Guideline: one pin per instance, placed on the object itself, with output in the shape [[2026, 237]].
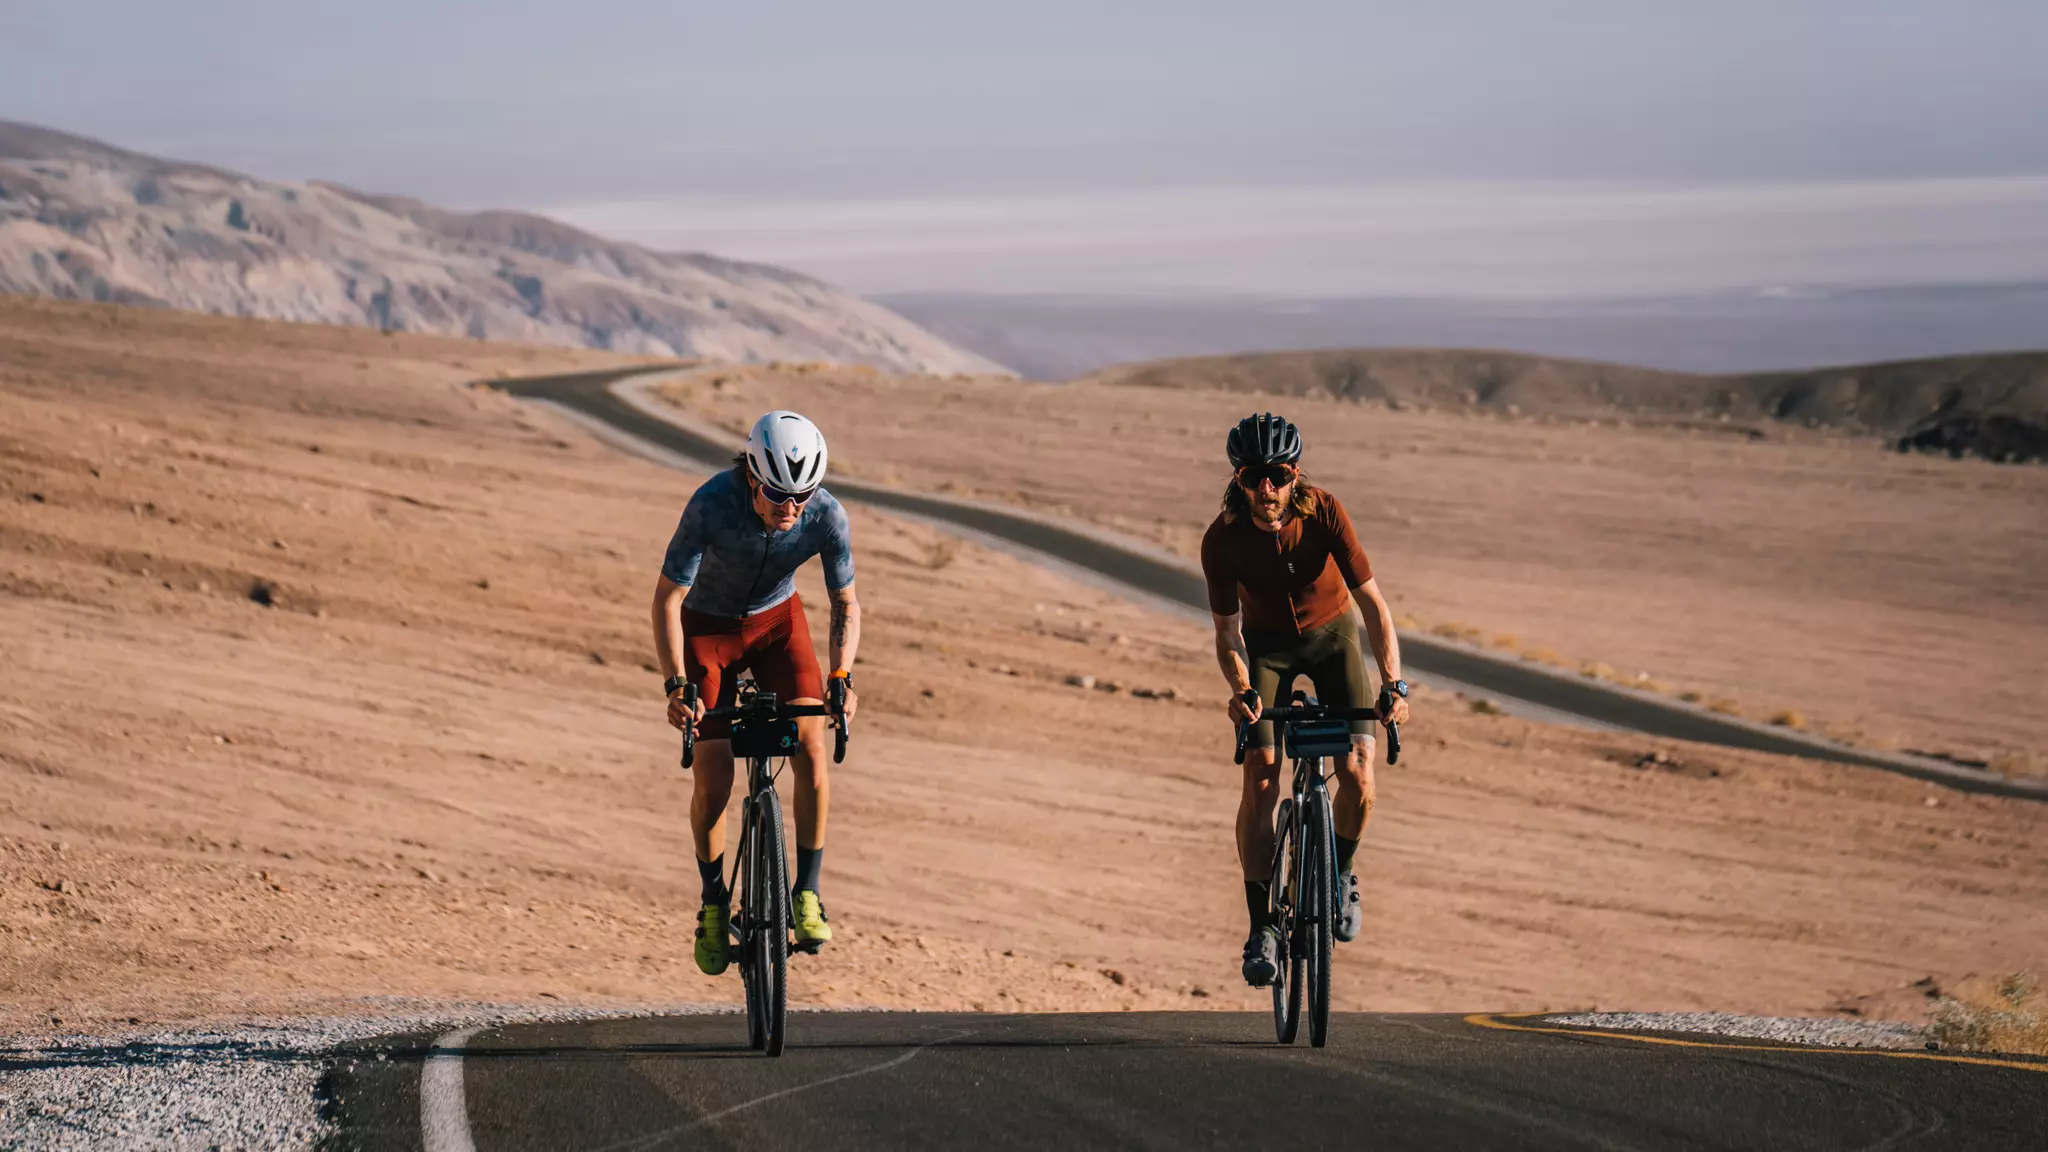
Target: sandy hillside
[[1898, 601], [433, 765]]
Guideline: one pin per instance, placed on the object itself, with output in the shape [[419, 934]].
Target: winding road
[[605, 401]]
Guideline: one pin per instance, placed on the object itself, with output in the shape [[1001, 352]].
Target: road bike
[[764, 735], [1305, 894]]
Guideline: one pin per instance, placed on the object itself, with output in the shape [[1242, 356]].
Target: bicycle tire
[[745, 912], [1318, 860], [1287, 971], [773, 955]]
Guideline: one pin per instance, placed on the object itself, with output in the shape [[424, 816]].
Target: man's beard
[[1268, 512]]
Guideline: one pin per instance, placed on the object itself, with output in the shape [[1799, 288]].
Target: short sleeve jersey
[[735, 567], [1286, 582]]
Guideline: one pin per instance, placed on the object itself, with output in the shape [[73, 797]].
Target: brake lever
[[1393, 743], [1244, 728], [842, 727], [690, 728]]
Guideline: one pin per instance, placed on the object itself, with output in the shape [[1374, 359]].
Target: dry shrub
[[2018, 762], [941, 553], [1506, 640], [1542, 656], [2005, 1016], [1691, 697], [1789, 718], [1724, 707], [1594, 670], [1485, 707]]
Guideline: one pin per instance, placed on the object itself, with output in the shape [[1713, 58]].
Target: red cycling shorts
[[774, 644]]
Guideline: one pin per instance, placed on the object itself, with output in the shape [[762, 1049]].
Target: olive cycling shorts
[[1329, 655]]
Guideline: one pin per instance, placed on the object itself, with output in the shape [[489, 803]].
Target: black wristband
[[669, 686]]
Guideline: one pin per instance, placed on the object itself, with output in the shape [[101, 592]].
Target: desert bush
[[941, 553], [1789, 718], [1724, 707], [2006, 1016]]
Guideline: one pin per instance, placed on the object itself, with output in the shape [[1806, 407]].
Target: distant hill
[[1993, 405], [84, 220]]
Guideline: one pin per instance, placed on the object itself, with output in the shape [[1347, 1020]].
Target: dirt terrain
[[1897, 601], [322, 685]]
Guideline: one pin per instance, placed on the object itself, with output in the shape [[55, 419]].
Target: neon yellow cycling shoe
[[714, 946], [811, 926]]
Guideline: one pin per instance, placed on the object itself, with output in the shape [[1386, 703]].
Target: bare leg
[[1255, 808], [710, 789], [813, 779], [1353, 802]]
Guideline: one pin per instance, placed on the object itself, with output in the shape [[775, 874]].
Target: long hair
[[1236, 505]]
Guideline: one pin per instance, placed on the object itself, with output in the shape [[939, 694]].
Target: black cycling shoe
[[1262, 957], [1351, 909]]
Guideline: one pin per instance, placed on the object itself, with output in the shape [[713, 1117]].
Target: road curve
[[1167, 1080], [593, 395]]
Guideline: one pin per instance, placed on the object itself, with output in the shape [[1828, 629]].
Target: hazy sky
[[1540, 147]]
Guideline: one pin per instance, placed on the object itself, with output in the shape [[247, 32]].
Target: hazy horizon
[[1465, 149]]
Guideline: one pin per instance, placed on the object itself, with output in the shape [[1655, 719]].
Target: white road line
[[639, 1143], [444, 1112]]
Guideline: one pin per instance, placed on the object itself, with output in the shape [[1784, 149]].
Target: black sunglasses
[[778, 496], [1278, 475]]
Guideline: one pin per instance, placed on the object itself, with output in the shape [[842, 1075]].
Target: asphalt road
[[1159, 1080], [1561, 696]]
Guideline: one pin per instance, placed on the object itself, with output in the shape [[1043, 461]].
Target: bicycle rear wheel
[[1318, 859], [772, 930], [1287, 975]]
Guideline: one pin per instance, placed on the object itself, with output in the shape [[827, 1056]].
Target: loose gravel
[[252, 1085], [1827, 1033]]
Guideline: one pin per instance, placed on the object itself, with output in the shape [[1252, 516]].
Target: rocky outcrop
[[85, 220]]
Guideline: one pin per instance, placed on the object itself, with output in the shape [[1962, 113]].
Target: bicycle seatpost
[[690, 729]]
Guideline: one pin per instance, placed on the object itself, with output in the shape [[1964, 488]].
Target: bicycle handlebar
[[1286, 712], [750, 711]]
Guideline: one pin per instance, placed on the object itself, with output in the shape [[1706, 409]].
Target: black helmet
[[1263, 439]]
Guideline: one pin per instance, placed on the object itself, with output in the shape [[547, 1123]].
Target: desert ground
[[324, 687], [1892, 601]]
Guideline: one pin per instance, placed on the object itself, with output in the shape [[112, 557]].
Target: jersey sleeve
[[1351, 560], [1218, 572], [686, 548], [836, 556]]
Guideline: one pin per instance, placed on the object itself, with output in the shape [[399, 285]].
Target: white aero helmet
[[786, 451]]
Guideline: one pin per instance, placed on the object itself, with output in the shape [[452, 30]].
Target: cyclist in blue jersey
[[726, 603]]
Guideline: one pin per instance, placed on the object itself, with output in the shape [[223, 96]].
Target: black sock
[[712, 873], [1347, 850], [808, 861], [1258, 900]]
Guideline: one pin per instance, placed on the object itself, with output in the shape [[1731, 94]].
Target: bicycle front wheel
[[1319, 855], [1287, 975], [771, 955]]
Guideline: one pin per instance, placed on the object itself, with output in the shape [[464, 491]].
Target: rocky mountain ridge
[[80, 219]]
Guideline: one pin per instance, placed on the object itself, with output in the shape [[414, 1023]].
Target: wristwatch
[[1397, 687], [669, 686]]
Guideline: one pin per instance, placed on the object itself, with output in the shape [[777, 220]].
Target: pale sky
[[1440, 147]]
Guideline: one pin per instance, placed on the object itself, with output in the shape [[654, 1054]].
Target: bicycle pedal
[[809, 949]]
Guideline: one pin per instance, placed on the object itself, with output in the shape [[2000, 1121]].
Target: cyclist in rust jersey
[[1283, 567]]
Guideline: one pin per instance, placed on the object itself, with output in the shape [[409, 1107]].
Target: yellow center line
[[1504, 1021]]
